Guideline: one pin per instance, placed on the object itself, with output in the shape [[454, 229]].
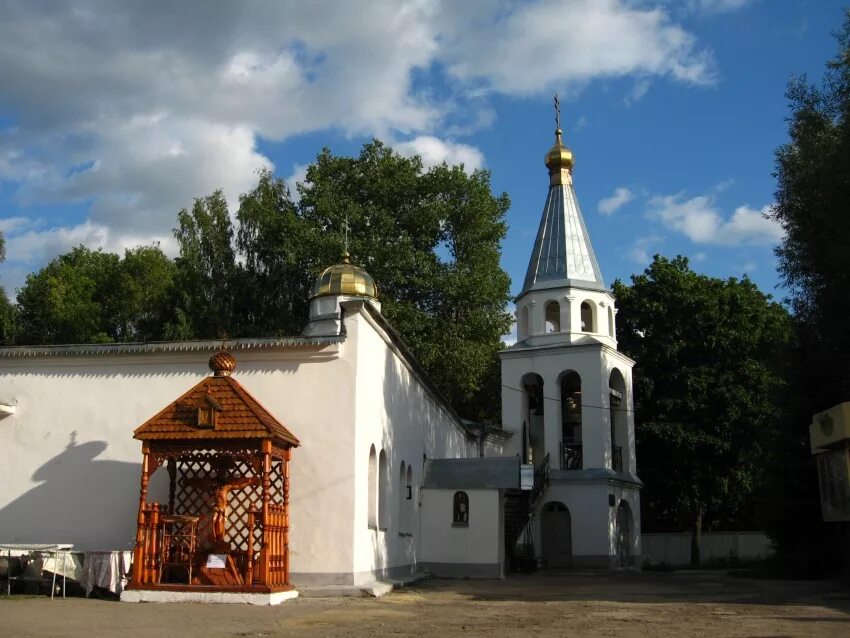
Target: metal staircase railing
[[519, 513]]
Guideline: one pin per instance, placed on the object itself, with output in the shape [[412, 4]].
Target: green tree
[[87, 296], [709, 355], [813, 175], [275, 273], [8, 311], [207, 278], [432, 241], [813, 191]]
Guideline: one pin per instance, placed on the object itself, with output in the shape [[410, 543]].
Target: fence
[[675, 548]]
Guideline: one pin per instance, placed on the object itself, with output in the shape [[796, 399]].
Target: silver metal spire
[[563, 255]]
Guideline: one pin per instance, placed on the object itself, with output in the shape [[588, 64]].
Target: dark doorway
[[556, 531]]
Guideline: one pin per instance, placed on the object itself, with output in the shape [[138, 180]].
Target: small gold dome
[[559, 156], [222, 363], [345, 279]]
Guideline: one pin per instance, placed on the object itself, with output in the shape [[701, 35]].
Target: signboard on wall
[[526, 477], [834, 475]]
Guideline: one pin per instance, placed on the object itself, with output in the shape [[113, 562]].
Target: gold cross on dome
[[557, 112]]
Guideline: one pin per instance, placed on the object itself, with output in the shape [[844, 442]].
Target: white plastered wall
[[396, 413], [592, 520], [480, 544], [70, 468]]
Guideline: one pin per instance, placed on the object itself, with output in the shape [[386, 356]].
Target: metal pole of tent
[[53, 588], [64, 572]]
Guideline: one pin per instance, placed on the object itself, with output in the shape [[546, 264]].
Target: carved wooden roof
[[238, 416]]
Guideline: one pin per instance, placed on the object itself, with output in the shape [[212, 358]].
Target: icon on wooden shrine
[[225, 523]]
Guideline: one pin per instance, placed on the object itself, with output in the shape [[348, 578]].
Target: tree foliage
[[709, 355], [87, 296], [813, 191], [813, 174], [8, 311], [430, 238]]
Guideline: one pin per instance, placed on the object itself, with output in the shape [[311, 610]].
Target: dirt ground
[[567, 604]]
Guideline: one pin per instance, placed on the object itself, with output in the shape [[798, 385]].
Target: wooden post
[[249, 558], [139, 553], [265, 553], [285, 462]]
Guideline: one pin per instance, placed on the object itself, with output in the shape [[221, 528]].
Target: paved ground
[[568, 604]]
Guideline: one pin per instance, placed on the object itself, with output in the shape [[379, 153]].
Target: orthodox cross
[[557, 112]]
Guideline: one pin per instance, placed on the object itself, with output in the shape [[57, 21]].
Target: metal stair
[[519, 511]]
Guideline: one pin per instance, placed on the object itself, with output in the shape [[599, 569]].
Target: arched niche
[[372, 493], [611, 322], [383, 491]]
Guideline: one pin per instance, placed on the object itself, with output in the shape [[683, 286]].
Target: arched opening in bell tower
[[571, 445], [522, 323], [553, 317], [532, 410], [617, 418], [588, 317]]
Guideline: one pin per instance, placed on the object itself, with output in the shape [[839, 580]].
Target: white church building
[[387, 480]]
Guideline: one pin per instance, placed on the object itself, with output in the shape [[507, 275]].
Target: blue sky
[[114, 115]]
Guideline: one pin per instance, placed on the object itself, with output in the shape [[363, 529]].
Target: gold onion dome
[[222, 363], [345, 279], [559, 156]]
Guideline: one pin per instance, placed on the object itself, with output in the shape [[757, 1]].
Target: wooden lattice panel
[[194, 500]]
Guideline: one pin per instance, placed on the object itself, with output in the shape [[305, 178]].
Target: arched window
[[553, 317], [402, 499], [383, 492], [460, 517], [610, 322], [410, 500], [587, 319], [372, 494]]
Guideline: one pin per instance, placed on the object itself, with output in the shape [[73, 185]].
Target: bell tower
[[567, 390]]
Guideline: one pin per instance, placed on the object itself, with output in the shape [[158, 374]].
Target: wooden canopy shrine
[[225, 526]]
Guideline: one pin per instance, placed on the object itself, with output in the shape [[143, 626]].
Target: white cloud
[[299, 174], [700, 220], [133, 109], [434, 151], [699, 257], [538, 45], [36, 244], [618, 199], [640, 250], [720, 6]]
